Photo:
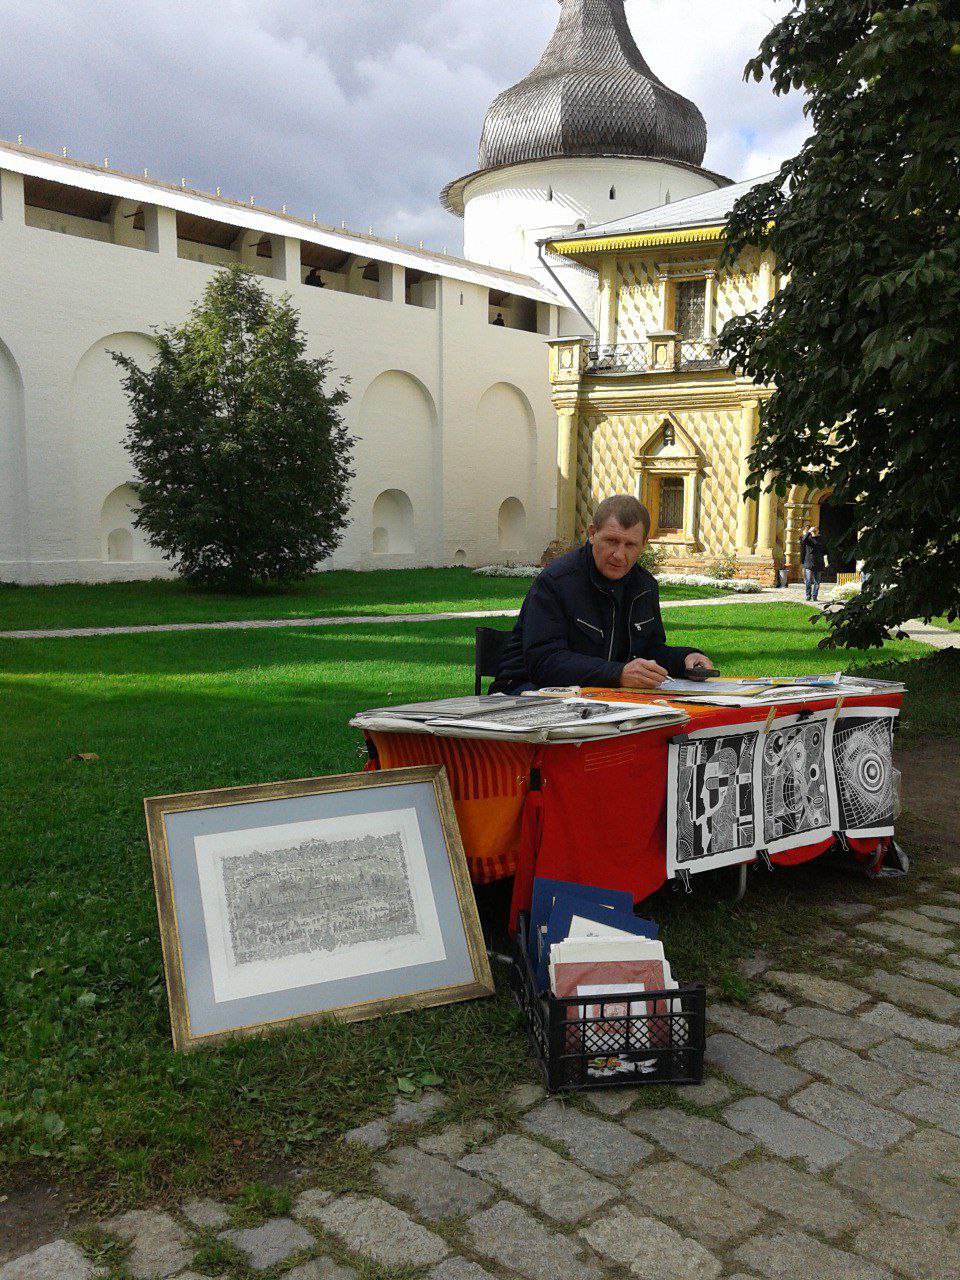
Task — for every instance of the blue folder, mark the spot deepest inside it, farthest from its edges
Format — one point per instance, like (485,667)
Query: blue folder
(566,907)
(545,894)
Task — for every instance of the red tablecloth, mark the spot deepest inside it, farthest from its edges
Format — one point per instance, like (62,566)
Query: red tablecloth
(591,812)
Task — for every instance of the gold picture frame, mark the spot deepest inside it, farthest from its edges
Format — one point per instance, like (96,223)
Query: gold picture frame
(189,985)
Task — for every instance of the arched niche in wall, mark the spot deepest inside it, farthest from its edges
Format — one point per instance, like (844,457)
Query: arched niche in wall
(506,449)
(119,545)
(100,416)
(512,525)
(13,462)
(393,524)
(120,542)
(398,442)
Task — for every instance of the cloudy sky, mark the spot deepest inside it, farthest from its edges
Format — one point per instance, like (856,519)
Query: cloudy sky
(353,109)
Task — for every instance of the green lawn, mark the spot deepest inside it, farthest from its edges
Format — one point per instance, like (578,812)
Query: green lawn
(89,1086)
(320,596)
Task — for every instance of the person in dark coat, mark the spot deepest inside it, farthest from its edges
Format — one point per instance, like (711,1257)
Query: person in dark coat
(592,617)
(813,558)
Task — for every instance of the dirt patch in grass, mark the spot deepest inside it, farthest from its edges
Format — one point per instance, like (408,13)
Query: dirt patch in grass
(32,1213)
(931,796)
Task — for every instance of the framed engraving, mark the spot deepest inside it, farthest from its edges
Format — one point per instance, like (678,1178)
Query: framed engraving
(280,904)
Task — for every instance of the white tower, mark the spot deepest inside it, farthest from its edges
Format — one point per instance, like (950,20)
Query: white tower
(590,136)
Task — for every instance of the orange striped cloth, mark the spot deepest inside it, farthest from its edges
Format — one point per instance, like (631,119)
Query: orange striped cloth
(489,783)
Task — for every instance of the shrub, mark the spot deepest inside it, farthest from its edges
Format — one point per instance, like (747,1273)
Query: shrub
(508,571)
(652,558)
(845,591)
(725,566)
(554,550)
(241,452)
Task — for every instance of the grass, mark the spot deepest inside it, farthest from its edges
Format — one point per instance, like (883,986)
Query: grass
(322,595)
(90,1090)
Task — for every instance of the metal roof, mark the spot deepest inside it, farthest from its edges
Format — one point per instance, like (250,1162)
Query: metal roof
(711,209)
(198,205)
(592,94)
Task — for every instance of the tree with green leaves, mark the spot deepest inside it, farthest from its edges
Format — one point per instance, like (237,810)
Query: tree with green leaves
(862,344)
(242,456)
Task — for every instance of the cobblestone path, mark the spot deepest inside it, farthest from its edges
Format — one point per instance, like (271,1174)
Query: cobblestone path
(823,1145)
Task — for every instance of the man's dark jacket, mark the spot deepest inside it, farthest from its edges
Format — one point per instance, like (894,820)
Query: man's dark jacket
(813,552)
(566,629)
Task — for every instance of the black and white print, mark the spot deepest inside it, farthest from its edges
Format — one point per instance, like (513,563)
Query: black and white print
(317,895)
(711,803)
(729,795)
(795,794)
(316,901)
(864,772)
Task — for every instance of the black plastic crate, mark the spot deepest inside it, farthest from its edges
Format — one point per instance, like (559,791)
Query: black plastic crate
(613,1047)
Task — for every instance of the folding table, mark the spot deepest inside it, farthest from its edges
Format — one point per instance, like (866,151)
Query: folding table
(590,812)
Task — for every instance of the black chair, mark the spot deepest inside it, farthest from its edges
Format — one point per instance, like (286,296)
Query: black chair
(490,646)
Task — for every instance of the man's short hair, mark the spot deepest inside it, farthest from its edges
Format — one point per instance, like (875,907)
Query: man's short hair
(625,509)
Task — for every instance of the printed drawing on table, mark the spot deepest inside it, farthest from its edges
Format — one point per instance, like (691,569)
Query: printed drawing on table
(795,795)
(863,767)
(711,801)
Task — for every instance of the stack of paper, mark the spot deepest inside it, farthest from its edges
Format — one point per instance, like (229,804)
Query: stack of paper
(594,970)
(538,719)
(771,690)
(586,944)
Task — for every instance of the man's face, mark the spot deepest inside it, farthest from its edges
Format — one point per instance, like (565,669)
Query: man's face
(615,549)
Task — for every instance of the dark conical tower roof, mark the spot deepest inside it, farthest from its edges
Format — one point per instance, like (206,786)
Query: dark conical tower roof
(592,94)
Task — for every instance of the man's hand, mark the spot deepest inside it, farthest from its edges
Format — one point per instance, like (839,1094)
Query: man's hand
(642,674)
(694,660)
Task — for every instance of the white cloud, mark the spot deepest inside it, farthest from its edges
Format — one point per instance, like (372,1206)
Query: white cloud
(358,111)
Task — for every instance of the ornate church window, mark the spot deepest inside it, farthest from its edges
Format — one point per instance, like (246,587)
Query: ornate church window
(691,310)
(669,467)
(671,504)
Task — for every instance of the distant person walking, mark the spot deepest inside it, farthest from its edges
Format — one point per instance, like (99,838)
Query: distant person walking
(813,558)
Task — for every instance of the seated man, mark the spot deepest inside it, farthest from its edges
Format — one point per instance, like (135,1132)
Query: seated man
(592,618)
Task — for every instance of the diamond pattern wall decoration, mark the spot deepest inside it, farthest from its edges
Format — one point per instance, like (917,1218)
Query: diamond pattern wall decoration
(605,453)
(738,289)
(638,301)
(607,447)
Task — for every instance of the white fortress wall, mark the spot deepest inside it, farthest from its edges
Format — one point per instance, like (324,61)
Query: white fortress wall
(456,448)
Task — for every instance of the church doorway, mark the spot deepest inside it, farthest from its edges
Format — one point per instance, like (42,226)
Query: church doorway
(836,521)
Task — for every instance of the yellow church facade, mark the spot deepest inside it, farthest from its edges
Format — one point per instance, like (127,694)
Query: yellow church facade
(646,406)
